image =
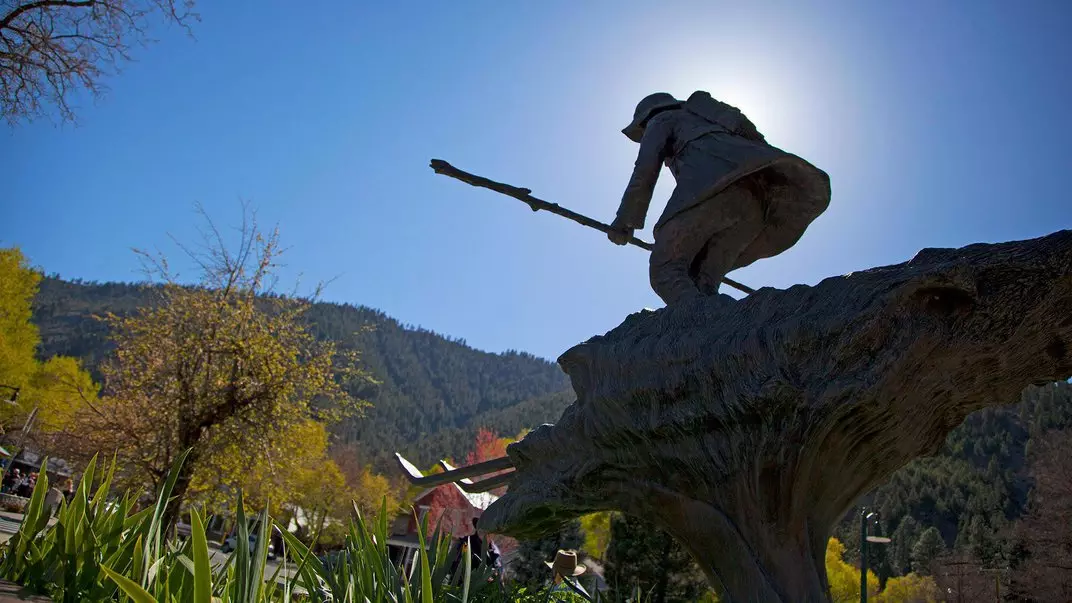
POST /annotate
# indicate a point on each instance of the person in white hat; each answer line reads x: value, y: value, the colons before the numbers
x: 564, y: 568
x: 737, y: 199
x: 565, y: 565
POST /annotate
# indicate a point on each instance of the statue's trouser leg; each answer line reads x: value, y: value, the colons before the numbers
x: 694, y: 250
x: 677, y: 243
x: 743, y: 215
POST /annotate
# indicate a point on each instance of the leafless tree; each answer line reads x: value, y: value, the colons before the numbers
x: 961, y: 577
x: 51, y: 49
x: 1046, y: 531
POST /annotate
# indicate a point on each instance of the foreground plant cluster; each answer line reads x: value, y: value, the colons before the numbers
x: 102, y: 549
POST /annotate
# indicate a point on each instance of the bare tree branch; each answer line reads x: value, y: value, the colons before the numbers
x: 14, y: 14
x: 50, y: 50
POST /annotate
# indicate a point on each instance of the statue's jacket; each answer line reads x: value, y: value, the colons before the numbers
x: 705, y: 157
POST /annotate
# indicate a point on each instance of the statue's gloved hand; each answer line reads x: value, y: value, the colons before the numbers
x: 619, y: 234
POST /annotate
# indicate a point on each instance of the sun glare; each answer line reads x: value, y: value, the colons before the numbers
x: 763, y: 90
x: 759, y: 97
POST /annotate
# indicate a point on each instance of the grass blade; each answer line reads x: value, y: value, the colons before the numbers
x: 152, y: 539
x: 241, y: 553
x: 129, y: 587
x: 202, y: 571
x: 309, y: 566
x: 468, y: 574
x: 426, y: 572
x: 259, y: 558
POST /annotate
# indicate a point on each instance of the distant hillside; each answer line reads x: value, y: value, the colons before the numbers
x: 433, y: 393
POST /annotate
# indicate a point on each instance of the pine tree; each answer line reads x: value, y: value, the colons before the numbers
x: 642, y: 555
x: 929, y: 546
x: 899, y: 550
x: 979, y: 541
x: 529, y: 566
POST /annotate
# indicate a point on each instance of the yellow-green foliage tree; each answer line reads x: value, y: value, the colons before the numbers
x: 596, y: 527
x: 55, y: 387
x: 845, y: 582
x: 844, y: 578
x: 284, y: 472
x: 369, y: 489
x: 216, y: 369
x: 911, y: 588
x: 292, y: 475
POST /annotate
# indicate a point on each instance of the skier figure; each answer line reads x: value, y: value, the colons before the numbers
x: 737, y: 199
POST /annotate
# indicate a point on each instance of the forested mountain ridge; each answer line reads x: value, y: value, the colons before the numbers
x: 431, y: 395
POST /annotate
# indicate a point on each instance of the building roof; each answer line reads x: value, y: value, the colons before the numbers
x: 478, y: 500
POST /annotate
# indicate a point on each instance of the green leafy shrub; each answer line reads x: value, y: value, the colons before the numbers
x: 102, y: 548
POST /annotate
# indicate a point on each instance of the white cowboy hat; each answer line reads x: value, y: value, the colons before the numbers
x: 565, y: 564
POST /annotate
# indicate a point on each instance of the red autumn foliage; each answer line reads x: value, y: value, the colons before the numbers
x: 448, y: 510
x: 488, y: 446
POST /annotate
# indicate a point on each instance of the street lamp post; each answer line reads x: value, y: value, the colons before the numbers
x: 13, y: 400
x: 14, y: 393
x: 865, y: 516
x: 29, y: 419
x: 26, y: 429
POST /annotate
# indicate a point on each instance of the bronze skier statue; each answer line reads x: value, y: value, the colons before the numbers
x: 737, y: 200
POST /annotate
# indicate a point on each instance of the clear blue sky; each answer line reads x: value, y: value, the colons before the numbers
x: 940, y: 124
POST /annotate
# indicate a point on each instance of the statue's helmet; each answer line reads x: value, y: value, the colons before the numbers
x: 646, y: 108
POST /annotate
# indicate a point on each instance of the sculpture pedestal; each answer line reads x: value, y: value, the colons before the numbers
x: 747, y: 429
x: 740, y: 555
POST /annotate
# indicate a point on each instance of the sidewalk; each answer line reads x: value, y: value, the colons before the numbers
x: 11, y: 593
x: 9, y: 524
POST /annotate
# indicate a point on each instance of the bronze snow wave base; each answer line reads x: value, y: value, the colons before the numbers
x: 748, y: 428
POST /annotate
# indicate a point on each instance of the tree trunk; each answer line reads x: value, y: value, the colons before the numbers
x: 744, y: 557
x: 664, y: 570
x: 178, y: 492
